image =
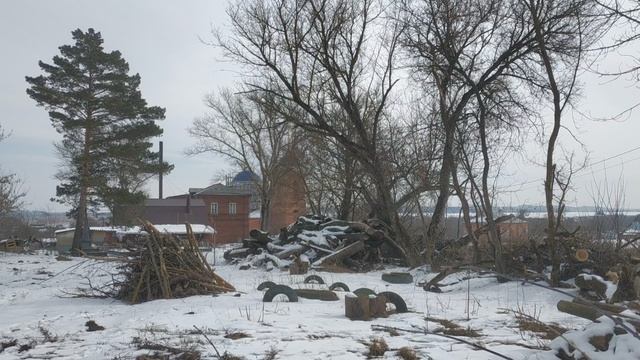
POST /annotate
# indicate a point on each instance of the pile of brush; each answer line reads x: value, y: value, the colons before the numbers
x: 166, y: 267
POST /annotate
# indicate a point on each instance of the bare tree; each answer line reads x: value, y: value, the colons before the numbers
x: 332, y: 177
x: 460, y: 48
x: 609, y: 201
x: 324, y: 58
x: 561, y: 56
x: 245, y: 131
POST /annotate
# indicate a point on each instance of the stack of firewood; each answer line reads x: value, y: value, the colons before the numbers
x: 165, y: 268
x: 323, y: 241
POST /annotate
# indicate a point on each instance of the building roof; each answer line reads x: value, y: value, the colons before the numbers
x: 176, y: 229
x: 246, y: 176
x: 174, y: 201
x: 219, y: 189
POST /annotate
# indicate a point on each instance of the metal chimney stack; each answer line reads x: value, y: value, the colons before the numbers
x: 160, y: 174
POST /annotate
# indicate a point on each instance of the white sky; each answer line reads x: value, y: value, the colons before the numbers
x: 160, y: 40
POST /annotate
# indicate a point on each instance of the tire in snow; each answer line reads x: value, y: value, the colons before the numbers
x: 280, y: 290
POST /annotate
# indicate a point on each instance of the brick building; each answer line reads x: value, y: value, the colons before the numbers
x: 232, y: 209
x: 228, y: 210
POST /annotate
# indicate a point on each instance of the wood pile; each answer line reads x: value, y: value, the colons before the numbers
x: 166, y: 268
x: 326, y: 242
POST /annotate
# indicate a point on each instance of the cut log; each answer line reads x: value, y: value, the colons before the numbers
x: 357, y: 307
x: 353, y: 237
x: 292, y: 250
x: 259, y: 235
x: 579, y: 310
x: 336, y: 257
x: 593, y: 283
x: 603, y: 306
x: 398, y: 278
x: 378, y: 306
x: 316, y: 294
x: 589, y: 312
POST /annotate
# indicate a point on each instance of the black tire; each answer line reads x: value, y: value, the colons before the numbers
x: 363, y: 292
x: 280, y: 290
x: 339, y: 285
x: 398, y: 278
x: 396, y: 300
x: 266, y: 285
x: 315, y: 278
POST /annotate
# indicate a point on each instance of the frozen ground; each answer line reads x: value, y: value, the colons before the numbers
x: 32, y: 300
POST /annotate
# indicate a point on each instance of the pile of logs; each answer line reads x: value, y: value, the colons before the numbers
x: 323, y: 242
x: 166, y: 268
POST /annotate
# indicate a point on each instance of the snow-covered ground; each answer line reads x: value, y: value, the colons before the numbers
x: 34, y: 303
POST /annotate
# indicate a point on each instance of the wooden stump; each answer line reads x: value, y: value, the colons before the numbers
x: 592, y: 283
x: 357, y: 307
x: 378, y: 306
x: 365, y: 307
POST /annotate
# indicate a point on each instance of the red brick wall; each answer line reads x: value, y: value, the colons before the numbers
x: 288, y: 203
x: 229, y: 228
x: 254, y: 224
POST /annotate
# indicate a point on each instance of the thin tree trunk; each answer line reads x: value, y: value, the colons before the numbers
x: 81, y: 234
x: 435, y: 231
x: 494, y: 237
x: 466, y: 214
x: 550, y: 166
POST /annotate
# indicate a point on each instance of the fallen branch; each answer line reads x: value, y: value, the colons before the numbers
x: 426, y: 332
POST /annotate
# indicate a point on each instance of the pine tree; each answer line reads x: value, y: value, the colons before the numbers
x: 106, y: 127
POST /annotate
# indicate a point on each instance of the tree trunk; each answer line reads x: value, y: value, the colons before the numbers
x: 345, y: 206
x: 385, y: 210
x: 494, y: 237
x: 550, y: 166
x: 435, y: 231
x: 81, y: 233
x: 464, y: 203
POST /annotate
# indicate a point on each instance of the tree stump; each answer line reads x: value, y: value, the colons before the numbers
x: 378, y: 306
x: 357, y: 307
x: 365, y: 307
x: 592, y: 286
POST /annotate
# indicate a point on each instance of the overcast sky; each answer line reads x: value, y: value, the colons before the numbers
x: 161, y: 41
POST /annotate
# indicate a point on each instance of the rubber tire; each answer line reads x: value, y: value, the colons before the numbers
x: 278, y: 290
x: 311, y: 278
x: 398, y: 278
x: 266, y: 285
x: 339, y: 285
x: 396, y: 300
x: 363, y: 292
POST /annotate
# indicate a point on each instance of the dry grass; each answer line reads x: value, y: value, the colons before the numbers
x: 545, y: 331
x: 377, y: 348
x: 407, y: 353
x: 271, y: 354
x: 236, y: 335
x: 453, y: 329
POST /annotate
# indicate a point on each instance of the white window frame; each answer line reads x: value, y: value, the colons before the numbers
x: 233, y: 208
x: 214, y: 208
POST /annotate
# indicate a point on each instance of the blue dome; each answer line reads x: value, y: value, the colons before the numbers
x: 245, y: 176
